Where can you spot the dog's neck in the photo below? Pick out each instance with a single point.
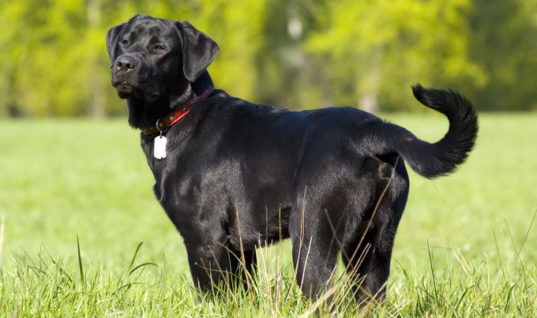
(142, 115)
(193, 91)
(202, 84)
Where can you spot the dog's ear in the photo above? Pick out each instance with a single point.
(112, 37)
(198, 50)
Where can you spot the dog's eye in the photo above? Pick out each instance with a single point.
(124, 42)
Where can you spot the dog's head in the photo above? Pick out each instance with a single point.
(154, 59)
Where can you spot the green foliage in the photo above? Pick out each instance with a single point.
(298, 53)
(53, 60)
(385, 46)
(503, 41)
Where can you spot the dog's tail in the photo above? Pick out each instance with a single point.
(433, 159)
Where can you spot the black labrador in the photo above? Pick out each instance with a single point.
(234, 175)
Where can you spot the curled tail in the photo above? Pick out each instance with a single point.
(434, 159)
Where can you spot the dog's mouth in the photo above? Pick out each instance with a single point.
(126, 90)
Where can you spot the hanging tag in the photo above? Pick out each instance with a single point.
(159, 147)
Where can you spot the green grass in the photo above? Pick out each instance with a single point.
(76, 201)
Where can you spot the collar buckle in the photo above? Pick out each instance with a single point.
(175, 116)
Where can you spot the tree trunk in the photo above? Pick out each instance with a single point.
(368, 101)
(97, 99)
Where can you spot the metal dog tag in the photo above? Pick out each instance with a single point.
(159, 147)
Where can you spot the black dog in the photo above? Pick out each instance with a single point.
(235, 175)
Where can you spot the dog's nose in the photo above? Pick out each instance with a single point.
(125, 63)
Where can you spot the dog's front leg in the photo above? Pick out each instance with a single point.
(214, 265)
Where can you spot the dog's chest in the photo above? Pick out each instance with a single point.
(191, 189)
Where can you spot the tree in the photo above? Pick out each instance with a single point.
(293, 53)
(503, 41)
(373, 50)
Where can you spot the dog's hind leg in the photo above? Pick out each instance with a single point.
(314, 257)
(367, 253)
(317, 228)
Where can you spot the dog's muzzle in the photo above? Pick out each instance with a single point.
(125, 63)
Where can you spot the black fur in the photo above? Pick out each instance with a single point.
(240, 175)
(440, 158)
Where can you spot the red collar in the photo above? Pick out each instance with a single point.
(175, 116)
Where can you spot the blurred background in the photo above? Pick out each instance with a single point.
(293, 53)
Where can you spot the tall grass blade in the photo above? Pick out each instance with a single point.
(135, 254)
(2, 238)
(498, 252)
(80, 267)
(142, 265)
(432, 271)
(527, 233)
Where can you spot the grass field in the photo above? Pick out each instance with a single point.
(466, 246)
